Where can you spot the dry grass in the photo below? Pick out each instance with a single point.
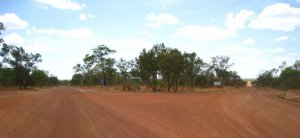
(292, 95)
(146, 89)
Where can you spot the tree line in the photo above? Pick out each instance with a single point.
(160, 68)
(282, 77)
(18, 67)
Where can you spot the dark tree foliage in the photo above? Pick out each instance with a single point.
(193, 65)
(205, 79)
(267, 78)
(103, 63)
(16, 60)
(160, 68)
(171, 67)
(77, 79)
(2, 27)
(7, 77)
(289, 77)
(53, 81)
(125, 66)
(97, 66)
(39, 77)
(22, 62)
(235, 80)
(148, 65)
(128, 76)
(221, 64)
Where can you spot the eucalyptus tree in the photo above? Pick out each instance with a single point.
(148, 64)
(193, 66)
(102, 62)
(78, 77)
(2, 27)
(95, 63)
(124, 67)
(22, 62)
(221, 64)
(171, 67)
(88, 69)
(39, 77)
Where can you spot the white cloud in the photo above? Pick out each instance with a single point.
(281, 38)
(75, 33)
(213, 33)
(277, 50)
(158, 20)
(279, 17)
(240, 51)
(14, 39)
(84, 17)
(204, 33)
(127, 47)
(248, 60)
(62, 4)
(143, 32)
(249, 41)
(39, 47)
(28, 31)
(12, 21)
(294, 54)
(237, 21)
(289, 60)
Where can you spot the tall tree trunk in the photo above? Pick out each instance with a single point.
(192, 83)
(104, 78)
(176, 85)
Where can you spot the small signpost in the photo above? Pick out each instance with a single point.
(217, 83)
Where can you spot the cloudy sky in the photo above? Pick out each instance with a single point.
(255, 34)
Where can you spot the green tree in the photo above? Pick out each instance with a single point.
(125, 66)
(267, 78)
(205, 79)
(290, 77)
(148, 65)
(39, 77)
(171, 67)
(22, 62)
(77, 79)
(297, 65)
(102, 63)
(7, 77)
(2, 27)
(109, 71)
(95, 63)
(53, 80)
(221, 64)
(234, 79)
(88, 69)
(192, 67)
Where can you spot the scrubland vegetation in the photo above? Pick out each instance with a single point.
(282, 77)
(161, 68)
(18, 67)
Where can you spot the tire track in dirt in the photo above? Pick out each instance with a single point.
(66, 112)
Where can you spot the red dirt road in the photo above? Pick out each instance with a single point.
(66, 112)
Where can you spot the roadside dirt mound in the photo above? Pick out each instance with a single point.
(68, 113)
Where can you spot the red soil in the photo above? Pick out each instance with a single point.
(67, 112)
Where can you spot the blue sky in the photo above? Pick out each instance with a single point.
(256, 35)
